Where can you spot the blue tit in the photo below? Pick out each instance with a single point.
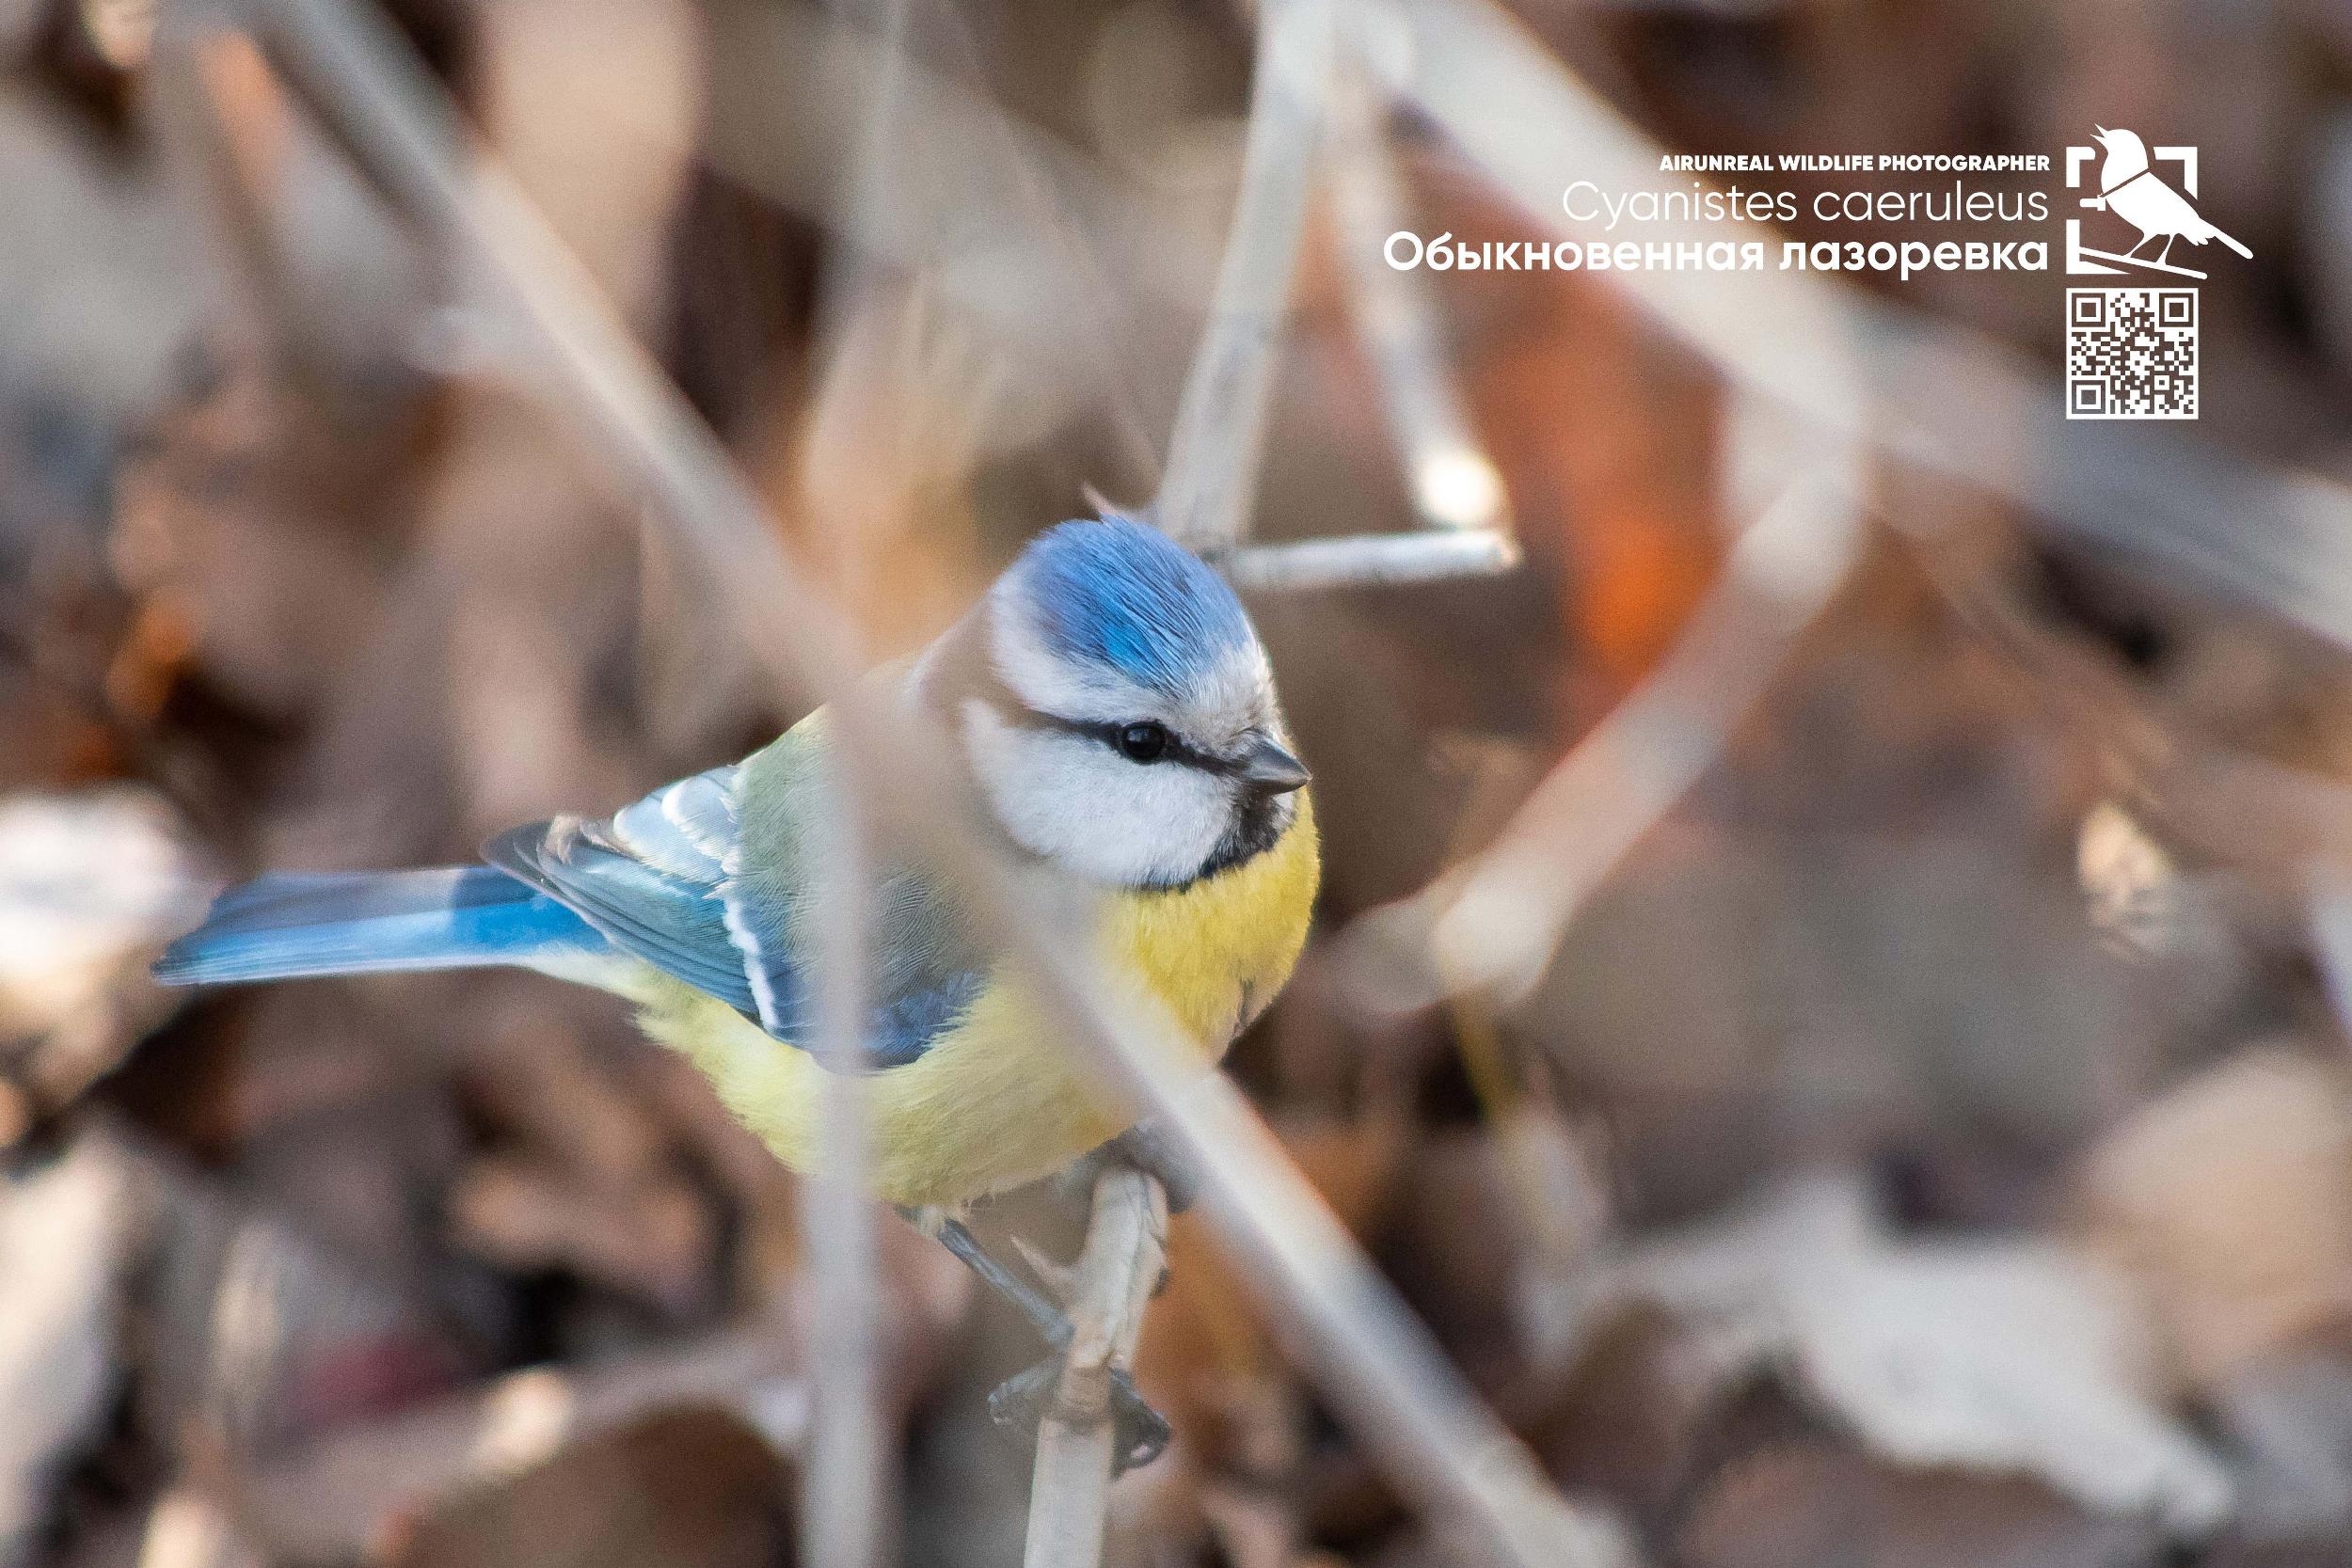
(1114, 710)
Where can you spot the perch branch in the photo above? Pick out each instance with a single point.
(1125, 1249)
(1367, 559)
(1386, 1376)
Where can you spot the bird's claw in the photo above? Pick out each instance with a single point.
(1138, 1433)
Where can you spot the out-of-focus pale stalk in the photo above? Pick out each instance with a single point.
(1453, 482)
(1126, 1247)
(1494, 924)
(1036, 239)
(1386, 1375)
(1367, 559)
(1212, 456)
(847, 1499)
(846, 1488)
(2328, 908)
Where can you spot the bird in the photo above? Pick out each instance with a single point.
(1111, 711)
(2132, 190)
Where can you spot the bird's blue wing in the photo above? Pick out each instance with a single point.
(924, 965)
(923, 975)
(672, 881)
(648, 898)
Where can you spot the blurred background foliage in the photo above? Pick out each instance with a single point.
(1934, 1146)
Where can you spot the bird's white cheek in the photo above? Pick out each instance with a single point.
(1078, 804)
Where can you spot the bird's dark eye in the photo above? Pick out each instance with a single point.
(1144, 742)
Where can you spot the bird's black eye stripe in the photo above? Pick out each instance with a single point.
(1161, 745)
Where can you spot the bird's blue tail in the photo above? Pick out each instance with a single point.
(358, 923)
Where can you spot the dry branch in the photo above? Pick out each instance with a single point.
(1366, 560)
(1126, 1247)
(1215, 455)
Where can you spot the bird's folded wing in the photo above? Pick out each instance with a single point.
(646, 901)
(667, 880)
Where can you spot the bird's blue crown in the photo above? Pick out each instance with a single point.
(1122, 595)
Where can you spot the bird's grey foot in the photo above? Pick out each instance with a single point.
(957, 1237)
(1138, 1433)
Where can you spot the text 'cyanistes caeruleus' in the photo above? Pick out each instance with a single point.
(1116, 713)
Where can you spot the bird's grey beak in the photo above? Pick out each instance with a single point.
(1269, 767)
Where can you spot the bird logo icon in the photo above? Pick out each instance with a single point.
(2130, 187)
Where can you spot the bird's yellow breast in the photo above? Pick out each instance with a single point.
(995, 1102)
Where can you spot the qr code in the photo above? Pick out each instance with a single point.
(2131, 354)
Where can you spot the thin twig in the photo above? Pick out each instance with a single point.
(1455, 486)
(1386, 1375)
(1220, 426)
(1370, 560)
(1126, 1247)
(1212, 456)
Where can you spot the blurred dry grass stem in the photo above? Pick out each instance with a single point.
(846, 1495)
